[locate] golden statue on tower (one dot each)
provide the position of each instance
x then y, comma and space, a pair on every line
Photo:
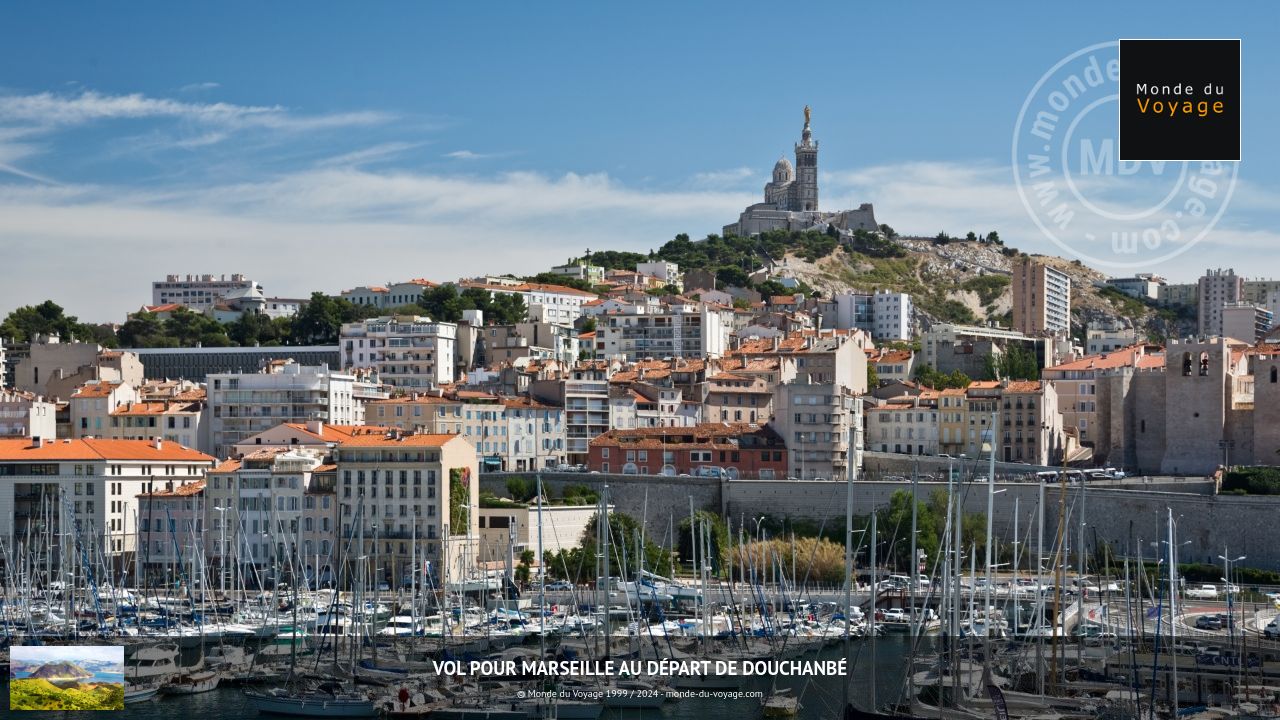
806, 114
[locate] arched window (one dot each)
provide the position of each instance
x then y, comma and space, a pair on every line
1186, 363
1204, 363
1273, 373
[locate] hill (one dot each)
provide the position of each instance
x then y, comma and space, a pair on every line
60, 670
959, 280
39, 694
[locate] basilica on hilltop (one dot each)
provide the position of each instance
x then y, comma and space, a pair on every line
791, 198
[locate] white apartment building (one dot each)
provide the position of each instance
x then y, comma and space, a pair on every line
1101, 338
255, 511
24, 414
692, 330
584, 395
405, 351
667, 272
245, 404
891, 313
198, 292
92, 482
388, 296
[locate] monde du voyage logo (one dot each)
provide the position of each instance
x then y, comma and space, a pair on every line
1143, 182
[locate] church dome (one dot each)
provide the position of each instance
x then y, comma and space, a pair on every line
782, 171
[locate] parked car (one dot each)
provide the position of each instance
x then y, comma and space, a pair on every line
895, 615
1208, 622
559, 585
1272, 630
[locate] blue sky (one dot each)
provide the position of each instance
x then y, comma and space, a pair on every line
323, 146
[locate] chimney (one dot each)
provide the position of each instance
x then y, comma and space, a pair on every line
775, 343
315, 427
37, 441
157, 443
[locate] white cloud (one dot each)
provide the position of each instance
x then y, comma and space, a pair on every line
365, 156
198, 87
50, 110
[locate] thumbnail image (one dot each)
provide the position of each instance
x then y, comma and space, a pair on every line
68, 677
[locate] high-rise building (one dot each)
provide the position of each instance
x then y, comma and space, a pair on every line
1216, 289
1041, 298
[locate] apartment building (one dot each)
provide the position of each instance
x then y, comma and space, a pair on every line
391, 295
508, 433
393, 487
198, 292
1030, 427
690, 330
51, 486
817, 420
242, 405
1041, 298
1245, 321
55, 369
737, 398
907, 424
24, 414
819, 356
255, 514
1215, 290
405, 351
170, 533
584, 394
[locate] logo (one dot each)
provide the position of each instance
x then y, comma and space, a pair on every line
1107, 211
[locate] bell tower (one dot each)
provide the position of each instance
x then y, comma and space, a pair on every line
806, 183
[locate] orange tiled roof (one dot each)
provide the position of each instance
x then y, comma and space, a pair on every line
340, 433
1124, 357
1023, 386
397, 440
166, 307
894, 356
98, 449
95, 390
227, 466
153, 408
183, 490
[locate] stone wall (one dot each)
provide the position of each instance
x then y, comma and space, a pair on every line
1127, 516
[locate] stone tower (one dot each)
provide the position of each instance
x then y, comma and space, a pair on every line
805, 188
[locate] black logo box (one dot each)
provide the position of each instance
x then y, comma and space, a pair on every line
1187, 69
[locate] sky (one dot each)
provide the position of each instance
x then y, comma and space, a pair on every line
323, 146
68, 653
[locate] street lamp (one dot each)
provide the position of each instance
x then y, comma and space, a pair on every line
1226, 570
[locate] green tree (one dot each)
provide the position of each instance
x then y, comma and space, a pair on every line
459, 500
1015, 363
521, 488
141, 330
719, 540
873, 377
189, 328
47, 318
894, 526
320, 321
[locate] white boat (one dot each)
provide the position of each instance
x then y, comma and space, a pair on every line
152, 661
192, 683
140, 693
319, 703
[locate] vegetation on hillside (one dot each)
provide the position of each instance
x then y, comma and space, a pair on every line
38, 694
1015, 363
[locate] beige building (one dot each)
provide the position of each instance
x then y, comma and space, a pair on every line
1041, 298
737, 398
1215, 289
817, 422
393, 486
55, 369
1077, 385
1030, 424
